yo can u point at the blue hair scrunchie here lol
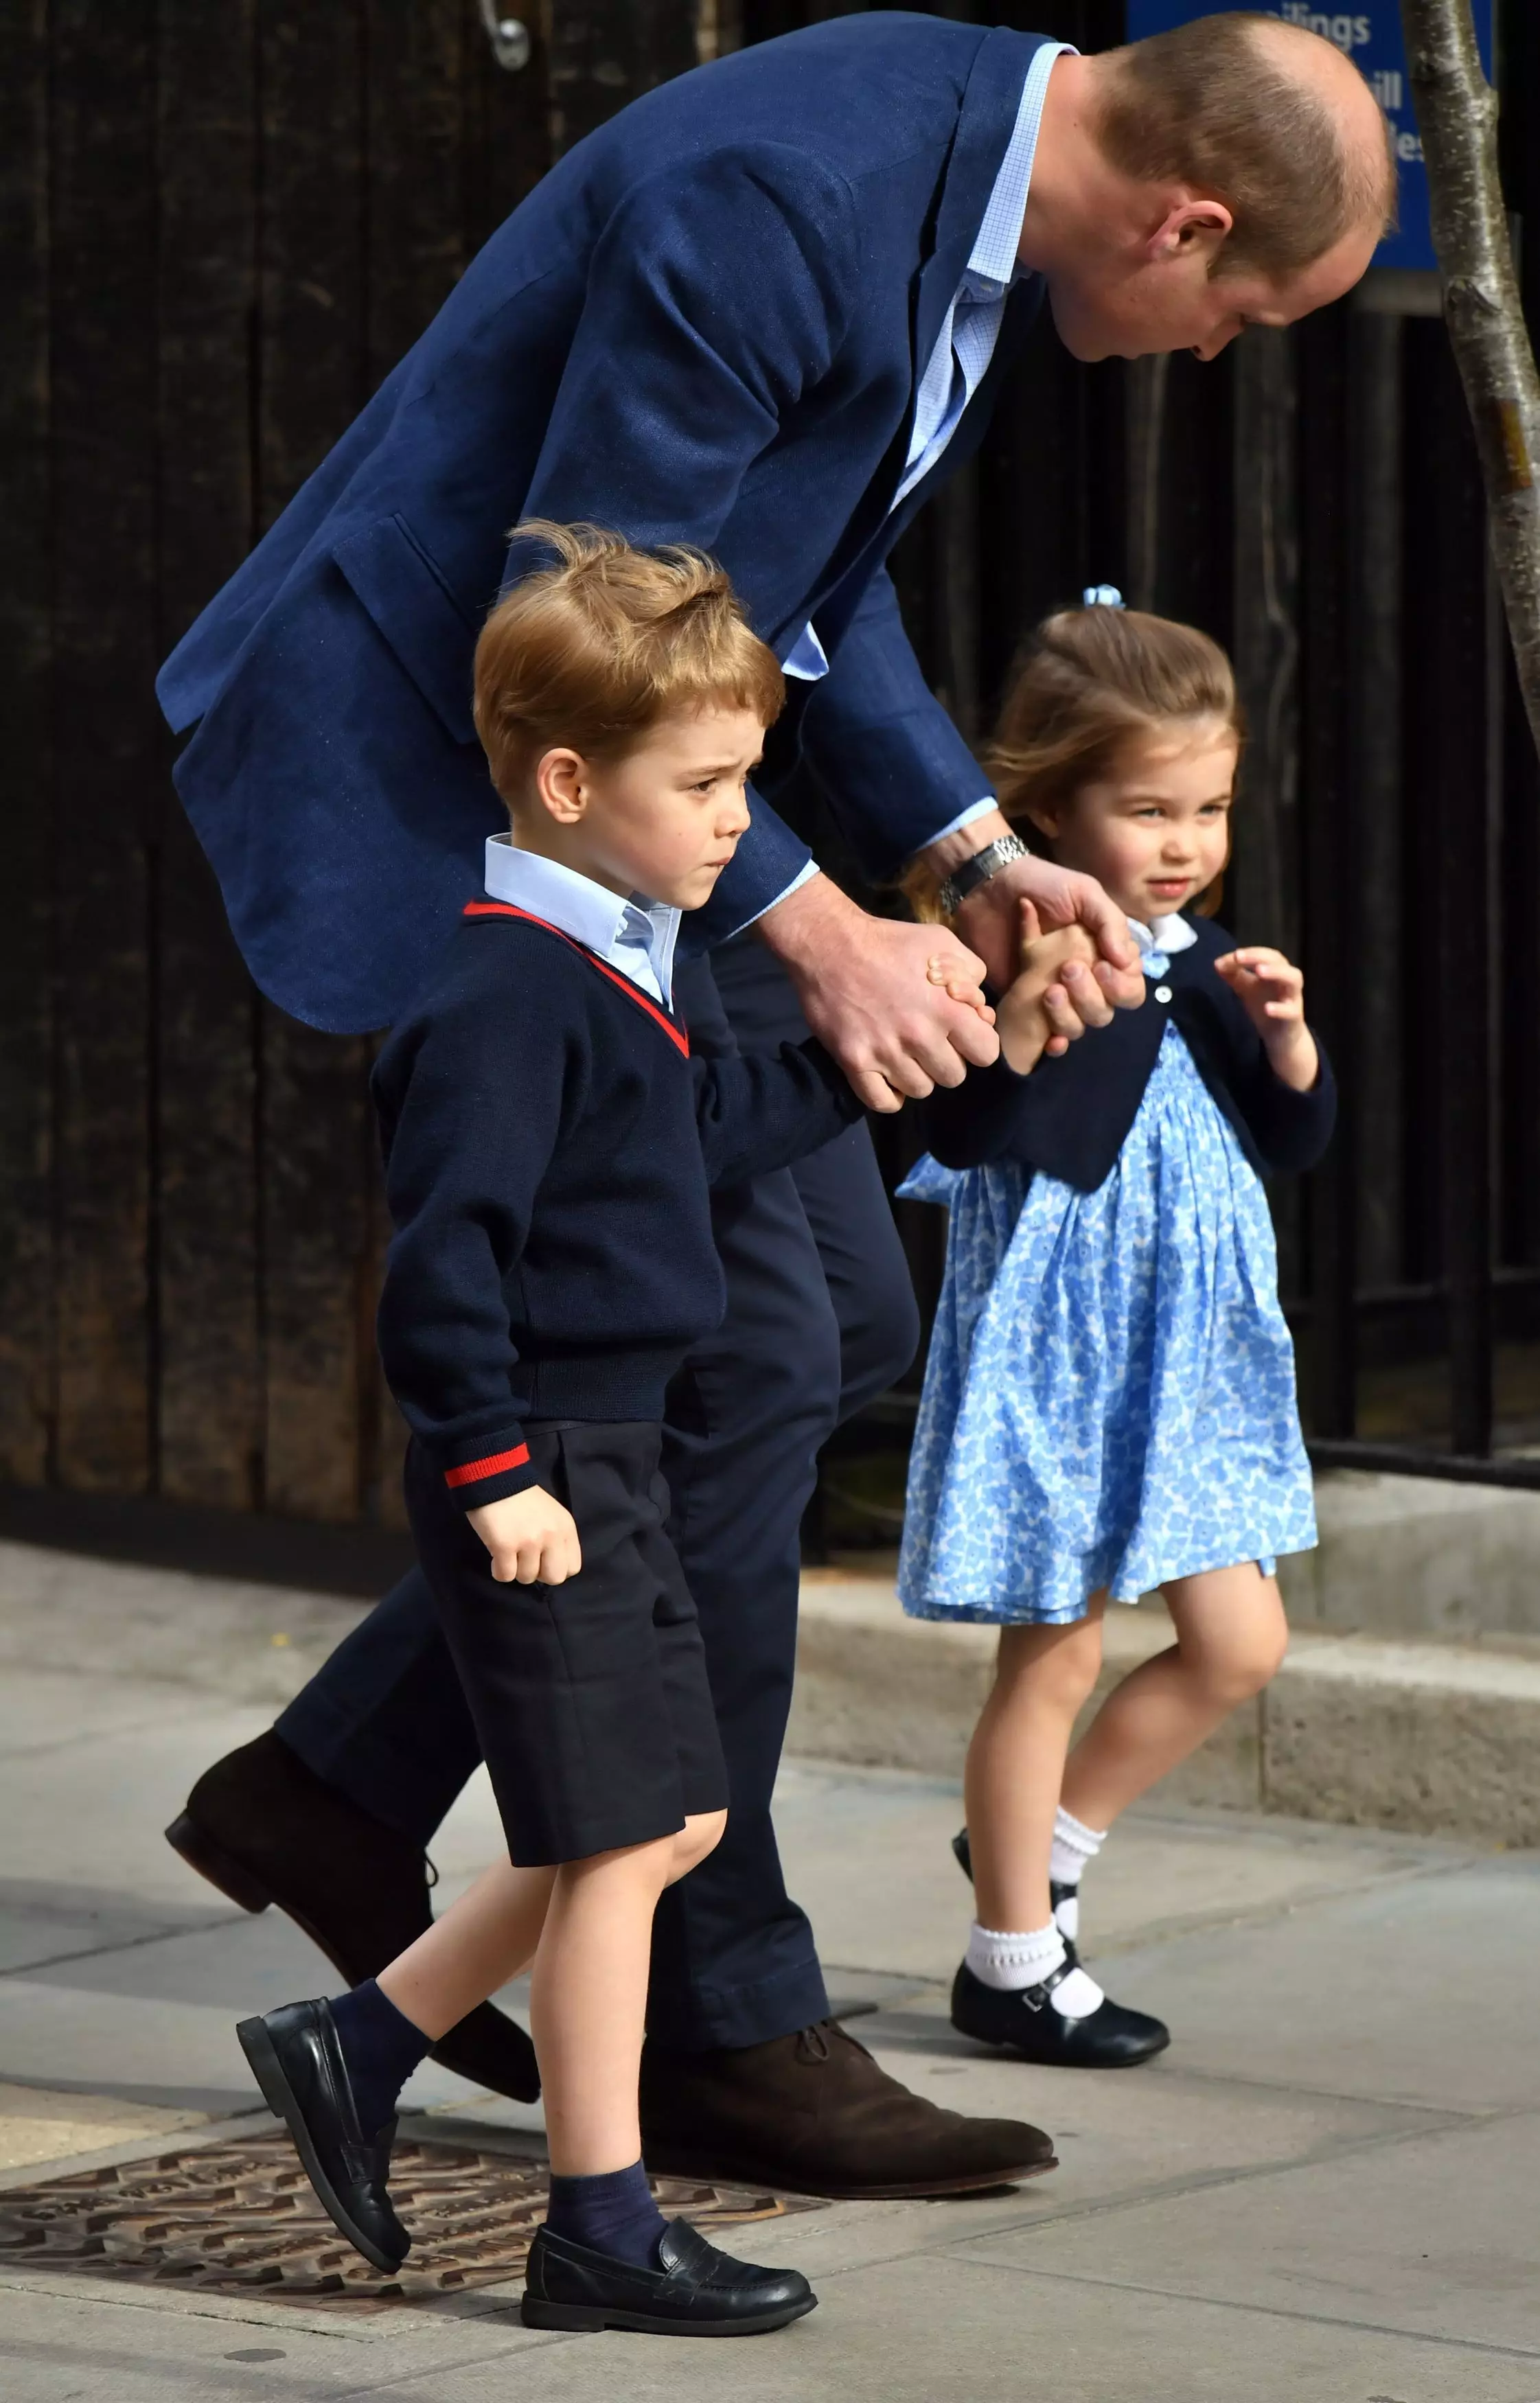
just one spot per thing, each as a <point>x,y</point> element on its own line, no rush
<point>1103,596</point>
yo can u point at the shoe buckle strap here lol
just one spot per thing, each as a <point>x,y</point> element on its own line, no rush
<point>1036,1997</point>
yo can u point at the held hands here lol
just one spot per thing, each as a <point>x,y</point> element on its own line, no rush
<point>897,1027</point>
<point>1037,1014</point>
<point>532,1537</point>
<point>1094,984</point>
<point>1271,991</point>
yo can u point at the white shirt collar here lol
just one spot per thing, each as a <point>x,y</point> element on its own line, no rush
<point>993,257</point>
<point>1167,935</point>
<point>633,935</point>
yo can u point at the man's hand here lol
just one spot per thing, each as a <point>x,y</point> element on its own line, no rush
<point>989,922</point>
<point>532,1537</point>
<point>871,992</point>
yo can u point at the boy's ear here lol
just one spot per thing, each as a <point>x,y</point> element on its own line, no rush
<point>560,789</point>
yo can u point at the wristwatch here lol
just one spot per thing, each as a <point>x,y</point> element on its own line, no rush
<point>979,869</point>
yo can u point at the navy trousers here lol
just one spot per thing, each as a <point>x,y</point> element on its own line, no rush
<point>821,1318</point>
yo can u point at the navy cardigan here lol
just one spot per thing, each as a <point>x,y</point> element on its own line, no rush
<point>1071,1117</point>
<point>550,1149</point>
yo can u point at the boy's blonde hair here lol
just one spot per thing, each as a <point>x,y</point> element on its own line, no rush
<point>1087,683</point>
<point>588,655</point>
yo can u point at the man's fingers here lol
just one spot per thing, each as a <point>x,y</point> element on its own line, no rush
<point>1063,1018</point>
<point>873,1092</point>
<point>1087,994</point>
<point>1124,987</point>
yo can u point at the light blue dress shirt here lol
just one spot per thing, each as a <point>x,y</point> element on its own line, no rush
<point>635,935</point>
<point>965,344</point>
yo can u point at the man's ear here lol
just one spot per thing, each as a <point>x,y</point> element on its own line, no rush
<point>559,786</point>
<point>1192,223</point>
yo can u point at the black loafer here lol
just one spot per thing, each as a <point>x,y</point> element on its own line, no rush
<point>962,1855</point>
<point>694,2291</point>
<point>1025,2023</point>
<point>297,2061</point>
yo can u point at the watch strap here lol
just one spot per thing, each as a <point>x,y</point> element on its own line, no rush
<point>977,870</point>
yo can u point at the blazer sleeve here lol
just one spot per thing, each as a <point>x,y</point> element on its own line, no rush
<point>883,752</point>
<point>719,294</point>
<point>766,1109</point>
<point>470,1111</point>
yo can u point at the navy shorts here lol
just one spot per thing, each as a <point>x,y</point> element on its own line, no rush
<point>590,1699</point>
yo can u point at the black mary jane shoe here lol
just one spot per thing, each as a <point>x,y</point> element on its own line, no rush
<point>962,1855</point>
<point>296,2058</point>
<point>1025,2023</point>
<point>694,2291</point>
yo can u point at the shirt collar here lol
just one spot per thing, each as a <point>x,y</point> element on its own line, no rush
<point>993,265</point>
<point>1167,935</point>
<point>619,928</point>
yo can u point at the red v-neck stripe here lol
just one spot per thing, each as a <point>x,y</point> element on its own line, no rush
<point>677,1034</point>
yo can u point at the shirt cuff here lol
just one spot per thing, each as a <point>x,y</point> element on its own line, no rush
<point>976,810</point>
<point>806,877</point>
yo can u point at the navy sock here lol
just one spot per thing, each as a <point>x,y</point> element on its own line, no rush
<point>613,2213</point>
<point>380,2048</point>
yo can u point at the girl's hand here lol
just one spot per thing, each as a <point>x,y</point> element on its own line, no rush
<point>1037,1014</point>
<point>1271,990</point>
<point>532,1537</point>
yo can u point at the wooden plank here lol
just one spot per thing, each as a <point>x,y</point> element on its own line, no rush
<point>313,1112</point>
<point>506,120</point>
<point>26,1107</point>
<point>106,739</point>
<point>209,1398</point>
<point>416,168</point>
<point>605,53</point>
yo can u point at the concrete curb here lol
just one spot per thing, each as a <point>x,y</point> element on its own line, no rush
<point>1429,1738</point>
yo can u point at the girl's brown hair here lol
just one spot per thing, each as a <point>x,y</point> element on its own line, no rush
<point>590,653</point>
<point>1087,683</point>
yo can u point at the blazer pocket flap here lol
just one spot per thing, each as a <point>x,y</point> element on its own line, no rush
<point>417,615</point>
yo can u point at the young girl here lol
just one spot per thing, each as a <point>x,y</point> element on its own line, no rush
<point>1109,1403</point>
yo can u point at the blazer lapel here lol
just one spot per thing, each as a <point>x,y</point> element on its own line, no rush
<point>985,122</point>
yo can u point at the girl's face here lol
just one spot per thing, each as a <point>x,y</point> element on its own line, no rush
<point>1156,832</point>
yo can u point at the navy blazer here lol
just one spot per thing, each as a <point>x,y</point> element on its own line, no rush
<point>1071,1117</point>
<point>702,326</point>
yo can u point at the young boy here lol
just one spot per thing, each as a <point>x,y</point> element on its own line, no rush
<point>549,1147</point>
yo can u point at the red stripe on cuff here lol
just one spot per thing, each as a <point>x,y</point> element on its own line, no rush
<point>494,1465</point>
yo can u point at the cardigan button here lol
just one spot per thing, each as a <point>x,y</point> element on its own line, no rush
<point>1163,992</point>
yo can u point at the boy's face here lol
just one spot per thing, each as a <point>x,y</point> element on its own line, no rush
<point>666,818</point>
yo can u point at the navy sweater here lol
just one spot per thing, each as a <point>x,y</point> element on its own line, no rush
<point>550,1146</point>
<point>1071,1117</point>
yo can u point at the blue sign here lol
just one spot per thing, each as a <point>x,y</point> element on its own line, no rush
<point>1371,37</point>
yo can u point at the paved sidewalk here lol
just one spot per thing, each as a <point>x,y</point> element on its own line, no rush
<point>1323,2194</point>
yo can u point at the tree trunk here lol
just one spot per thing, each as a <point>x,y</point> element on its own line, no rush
<point>1457,116</point>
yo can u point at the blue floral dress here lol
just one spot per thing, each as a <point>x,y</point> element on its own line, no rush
<point>1109,1399</point>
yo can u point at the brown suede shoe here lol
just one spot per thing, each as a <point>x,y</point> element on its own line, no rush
<point>813,2114</point>
<point>264,1828</point>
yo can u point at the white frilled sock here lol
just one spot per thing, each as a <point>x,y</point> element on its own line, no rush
<point>1009,1960</point>
<point>1074,1845</point>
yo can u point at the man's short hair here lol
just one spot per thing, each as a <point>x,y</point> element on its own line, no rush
<point>591,653</point>
<point>1209,105</point>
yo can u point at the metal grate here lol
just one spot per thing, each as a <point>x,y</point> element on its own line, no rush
<point>240,2218</point>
